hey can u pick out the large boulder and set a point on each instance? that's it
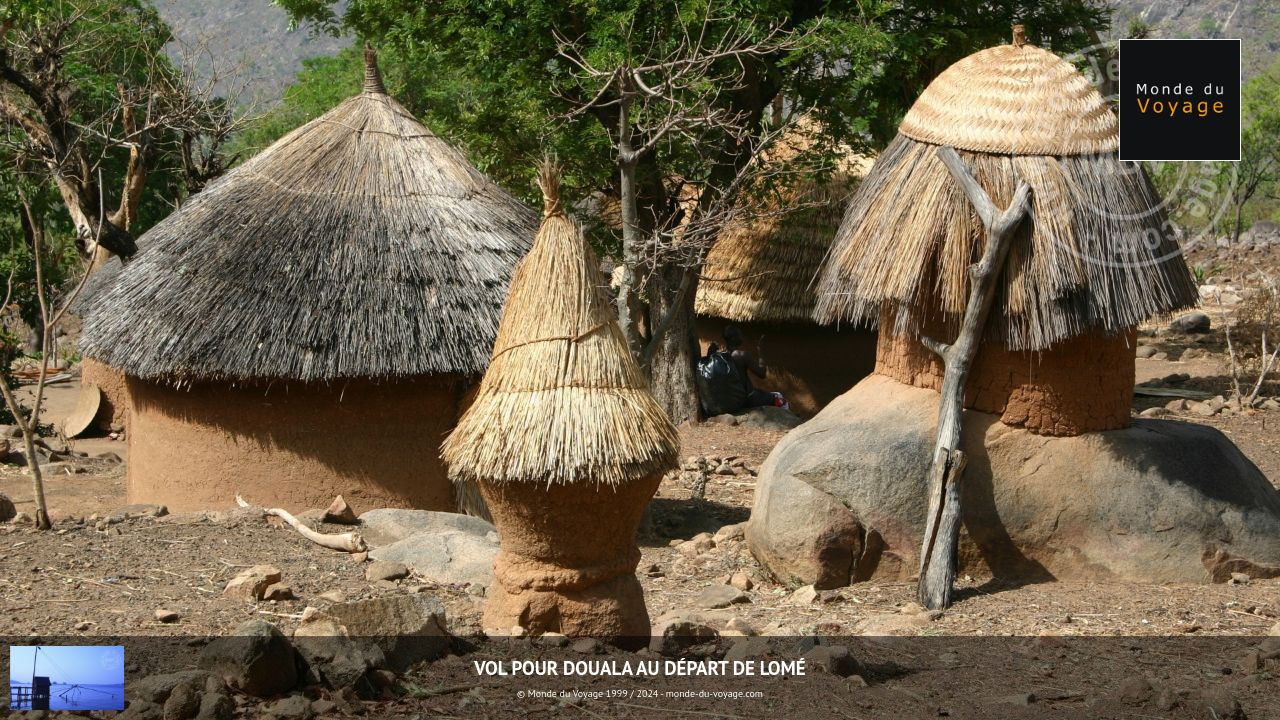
(449, 557)
(842, 498)
(255, 659)
(385, 526)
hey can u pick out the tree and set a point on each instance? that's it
(1259, 166)
(484, 73)
(88, 95)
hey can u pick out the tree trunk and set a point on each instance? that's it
(671, 367)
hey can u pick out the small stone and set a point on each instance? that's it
(1203, 409)
(728, 533)
(834, 659)
(340, 513)
(251, 583)
(323, 706)
(359, 557)
(385, 570)
(724, 419)
(332, 596)
(672, 634)
(696, 545)
(82, 625)
(278, 592)
(7, 510)
(741, 581)
(1270, 404)
(552, 639)
(1191, 323)
(1135, 690)
(806, 595)
(1239, 578)
(1274, 631)
(726, 469)
(721, 596)
(1160, 356)
(294, 707)
(1146, 351)
(1022, 699)
(1178, 405)
(167, 616)
(586, 646)
(21, 518)
(738, 626)
(1155, 412)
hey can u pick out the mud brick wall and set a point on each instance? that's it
(1081, 385)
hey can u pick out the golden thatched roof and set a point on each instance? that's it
(1094, 255)
(359, 245)
(761, 268)
(563, 400)
(1016, 100)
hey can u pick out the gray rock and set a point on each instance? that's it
(408, 628)
(385, 570)
(389, 525)
(446, 557)
(721, 596)
(332, 656)
(769, 418)
(723, 419)
(216, 706)
(843, 497)
(7, 510)
(157, 688)
(1191, 323)
(256, 658)
(674, 633)
(294, 707)
(834, 659)
(749, 648)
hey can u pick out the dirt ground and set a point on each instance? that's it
(84, 581)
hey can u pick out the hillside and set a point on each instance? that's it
(1256, 22)
(251, 35)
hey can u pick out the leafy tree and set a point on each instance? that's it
(489, 74)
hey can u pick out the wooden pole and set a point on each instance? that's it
(942, 525)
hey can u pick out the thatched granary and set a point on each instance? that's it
(309, 324)
(566, 444)
(1061, 483)
(1093, 261)
(759, 276)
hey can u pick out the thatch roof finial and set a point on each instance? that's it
(1019, 35)
(372, 76)
(549, 183)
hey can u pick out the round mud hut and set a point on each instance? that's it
(310, 324)
(566, 444)
(1061, 482)
(758, 276)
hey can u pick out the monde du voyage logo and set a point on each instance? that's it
(1180, 99)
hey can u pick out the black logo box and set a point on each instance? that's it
(1187, 68)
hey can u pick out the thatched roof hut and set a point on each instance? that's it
(563, 400)
(1093, 260)
(566, 445)
(349, 273)
(759, 276)
(1094, 257)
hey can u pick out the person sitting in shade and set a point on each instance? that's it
(725, 377)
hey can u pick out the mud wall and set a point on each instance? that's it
(1081, 385)
(808, 363)
(114, 410)
(292, 445)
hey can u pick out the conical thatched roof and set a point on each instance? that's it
(563, 400)
(359, 245)
(1094, 256)
(761, 267)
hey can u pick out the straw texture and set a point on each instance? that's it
(1083, 262)
(1018, 100)
(358, 246)
(563, 400)
(762, 269)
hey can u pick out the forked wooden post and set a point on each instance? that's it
(942, 527)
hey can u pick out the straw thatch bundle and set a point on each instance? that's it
(1094, 256)
(761, 267)
(360, 245)
(563, 400)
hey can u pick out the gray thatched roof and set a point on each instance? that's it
(359, 245)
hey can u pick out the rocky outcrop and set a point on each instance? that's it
(842, 498)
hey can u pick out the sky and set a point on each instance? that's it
(80, 665)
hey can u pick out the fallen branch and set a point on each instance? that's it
(350, 542)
